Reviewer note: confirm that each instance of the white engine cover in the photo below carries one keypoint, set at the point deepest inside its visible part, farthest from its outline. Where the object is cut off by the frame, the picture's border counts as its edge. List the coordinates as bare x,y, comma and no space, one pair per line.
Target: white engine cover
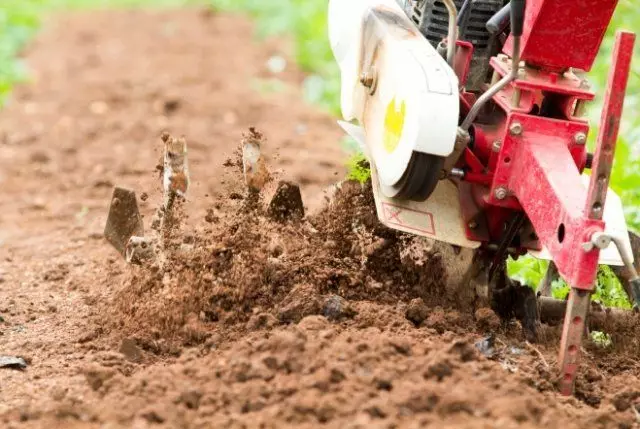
412,103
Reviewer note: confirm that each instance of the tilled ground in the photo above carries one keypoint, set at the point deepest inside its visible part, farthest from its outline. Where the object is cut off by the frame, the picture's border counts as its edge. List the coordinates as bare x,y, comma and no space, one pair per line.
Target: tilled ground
326,321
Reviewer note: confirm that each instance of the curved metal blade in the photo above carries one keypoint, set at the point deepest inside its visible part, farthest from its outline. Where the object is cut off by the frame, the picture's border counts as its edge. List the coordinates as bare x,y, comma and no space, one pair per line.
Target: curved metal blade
124,220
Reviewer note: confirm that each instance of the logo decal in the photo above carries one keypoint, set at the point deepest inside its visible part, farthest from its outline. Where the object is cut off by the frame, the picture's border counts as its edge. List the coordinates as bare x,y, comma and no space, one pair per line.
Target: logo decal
393,124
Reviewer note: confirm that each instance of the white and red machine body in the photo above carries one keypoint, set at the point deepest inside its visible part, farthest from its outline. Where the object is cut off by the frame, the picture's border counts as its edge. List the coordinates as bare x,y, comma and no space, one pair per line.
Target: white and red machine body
512,178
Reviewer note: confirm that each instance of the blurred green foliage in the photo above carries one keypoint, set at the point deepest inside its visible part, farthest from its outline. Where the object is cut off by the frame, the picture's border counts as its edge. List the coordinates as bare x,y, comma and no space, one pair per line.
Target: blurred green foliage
358,168
305,22
19,19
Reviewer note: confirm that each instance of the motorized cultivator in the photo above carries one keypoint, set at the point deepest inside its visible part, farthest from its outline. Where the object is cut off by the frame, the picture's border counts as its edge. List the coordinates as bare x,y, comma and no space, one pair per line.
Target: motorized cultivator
472,115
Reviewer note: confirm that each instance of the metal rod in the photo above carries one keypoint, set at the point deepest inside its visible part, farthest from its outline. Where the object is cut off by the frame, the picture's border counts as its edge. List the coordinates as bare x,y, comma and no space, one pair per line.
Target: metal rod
625,256
544,288
634,279
452,34
488,95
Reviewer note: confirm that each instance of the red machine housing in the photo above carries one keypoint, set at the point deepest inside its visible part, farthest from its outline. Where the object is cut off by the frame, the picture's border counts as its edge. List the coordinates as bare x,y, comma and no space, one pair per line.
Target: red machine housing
528,148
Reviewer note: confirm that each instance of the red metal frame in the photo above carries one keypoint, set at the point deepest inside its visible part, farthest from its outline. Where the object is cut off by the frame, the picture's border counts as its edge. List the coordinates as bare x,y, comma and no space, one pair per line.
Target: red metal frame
530,153
559,34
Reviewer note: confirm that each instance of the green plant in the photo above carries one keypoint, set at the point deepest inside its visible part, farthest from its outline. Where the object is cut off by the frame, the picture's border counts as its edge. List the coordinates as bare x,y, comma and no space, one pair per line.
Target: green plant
601,339
358,168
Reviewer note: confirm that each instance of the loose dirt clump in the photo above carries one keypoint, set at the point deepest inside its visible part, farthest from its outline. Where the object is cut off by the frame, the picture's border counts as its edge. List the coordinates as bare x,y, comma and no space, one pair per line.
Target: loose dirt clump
257,260
324,319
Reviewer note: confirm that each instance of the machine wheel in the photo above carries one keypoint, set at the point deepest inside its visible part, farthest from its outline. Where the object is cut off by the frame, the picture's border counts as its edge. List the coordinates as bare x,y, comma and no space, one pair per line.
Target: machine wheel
421,177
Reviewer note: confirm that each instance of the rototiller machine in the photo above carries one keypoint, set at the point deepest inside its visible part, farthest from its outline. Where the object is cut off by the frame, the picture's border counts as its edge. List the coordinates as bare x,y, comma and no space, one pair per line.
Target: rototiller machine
472,116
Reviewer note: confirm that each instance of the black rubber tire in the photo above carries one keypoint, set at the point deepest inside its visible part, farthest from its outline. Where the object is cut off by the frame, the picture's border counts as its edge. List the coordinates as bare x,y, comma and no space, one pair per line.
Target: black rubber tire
420,179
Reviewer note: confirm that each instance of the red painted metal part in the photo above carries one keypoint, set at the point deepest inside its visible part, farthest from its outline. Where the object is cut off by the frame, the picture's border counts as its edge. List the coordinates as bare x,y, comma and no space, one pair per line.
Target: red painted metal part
578,305
529,152
462,60
559,34
542,175
566,83
610,123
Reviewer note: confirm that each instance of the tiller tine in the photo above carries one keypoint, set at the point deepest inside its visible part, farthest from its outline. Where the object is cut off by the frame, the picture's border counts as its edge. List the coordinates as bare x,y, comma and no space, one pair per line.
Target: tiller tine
254,165
124,219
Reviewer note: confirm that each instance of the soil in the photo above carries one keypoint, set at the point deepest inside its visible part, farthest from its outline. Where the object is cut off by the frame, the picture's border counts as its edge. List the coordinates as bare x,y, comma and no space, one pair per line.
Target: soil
258,317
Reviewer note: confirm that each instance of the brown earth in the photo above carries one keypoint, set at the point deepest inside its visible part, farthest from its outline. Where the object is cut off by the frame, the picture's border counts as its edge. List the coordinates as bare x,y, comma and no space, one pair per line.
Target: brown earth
255,321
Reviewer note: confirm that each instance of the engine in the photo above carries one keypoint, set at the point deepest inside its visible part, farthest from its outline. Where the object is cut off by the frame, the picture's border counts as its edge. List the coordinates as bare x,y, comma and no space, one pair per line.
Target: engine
432,19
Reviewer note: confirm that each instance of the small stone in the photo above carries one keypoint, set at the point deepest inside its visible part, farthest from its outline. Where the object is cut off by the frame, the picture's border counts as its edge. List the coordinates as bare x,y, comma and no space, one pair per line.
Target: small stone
130,350
417,311
13,362
336,308
302,301
486,346
276,64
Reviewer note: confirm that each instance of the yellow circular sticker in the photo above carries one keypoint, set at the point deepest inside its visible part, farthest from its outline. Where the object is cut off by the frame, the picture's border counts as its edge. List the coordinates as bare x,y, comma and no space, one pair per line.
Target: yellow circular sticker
393,124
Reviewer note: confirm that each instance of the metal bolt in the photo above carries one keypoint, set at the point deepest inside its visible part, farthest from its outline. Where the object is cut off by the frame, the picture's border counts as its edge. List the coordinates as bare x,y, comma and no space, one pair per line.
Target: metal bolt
458,173
497,145
580,138
598,240
515,129
501,193
601,240
368,80
472,224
